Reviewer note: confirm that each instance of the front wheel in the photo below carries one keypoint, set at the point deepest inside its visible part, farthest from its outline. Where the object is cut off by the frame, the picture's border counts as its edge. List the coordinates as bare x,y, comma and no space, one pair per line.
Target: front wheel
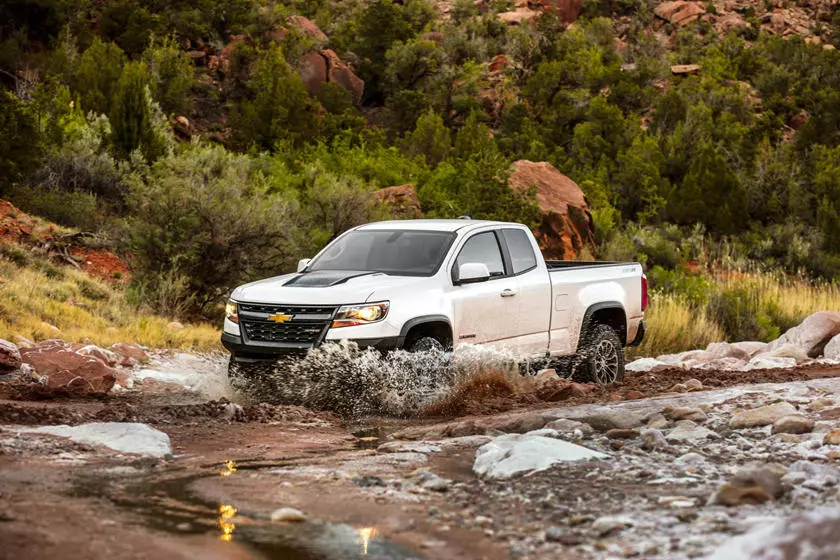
601,358
425,344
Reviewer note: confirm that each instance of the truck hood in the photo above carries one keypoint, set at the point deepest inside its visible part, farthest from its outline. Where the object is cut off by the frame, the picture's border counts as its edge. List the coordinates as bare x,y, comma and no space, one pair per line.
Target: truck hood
330,287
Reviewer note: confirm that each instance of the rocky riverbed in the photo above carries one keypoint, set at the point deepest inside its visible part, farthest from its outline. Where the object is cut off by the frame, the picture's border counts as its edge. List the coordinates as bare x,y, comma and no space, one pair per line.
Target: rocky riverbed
676,461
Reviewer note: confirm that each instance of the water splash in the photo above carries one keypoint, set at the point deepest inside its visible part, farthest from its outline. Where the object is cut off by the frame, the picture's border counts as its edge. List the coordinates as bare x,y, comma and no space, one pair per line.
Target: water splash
353,382
205,375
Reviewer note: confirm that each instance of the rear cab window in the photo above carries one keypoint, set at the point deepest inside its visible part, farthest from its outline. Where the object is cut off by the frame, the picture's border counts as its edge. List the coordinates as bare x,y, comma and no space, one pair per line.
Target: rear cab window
521,250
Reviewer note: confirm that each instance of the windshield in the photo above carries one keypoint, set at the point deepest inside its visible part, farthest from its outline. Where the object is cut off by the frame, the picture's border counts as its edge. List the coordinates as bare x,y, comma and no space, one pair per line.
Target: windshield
401,253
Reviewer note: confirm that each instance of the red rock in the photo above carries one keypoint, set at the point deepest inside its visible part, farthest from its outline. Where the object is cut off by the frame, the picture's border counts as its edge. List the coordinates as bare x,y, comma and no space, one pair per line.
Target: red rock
680,13
567,10
556,390
633,395
308,28
130,351
67,369
318,68
498,63
685,69
517,17
106,356
402,201
566,228
9,356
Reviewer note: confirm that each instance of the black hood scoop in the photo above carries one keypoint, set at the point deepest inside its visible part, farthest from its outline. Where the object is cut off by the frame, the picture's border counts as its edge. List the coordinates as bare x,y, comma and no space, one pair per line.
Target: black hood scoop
325,278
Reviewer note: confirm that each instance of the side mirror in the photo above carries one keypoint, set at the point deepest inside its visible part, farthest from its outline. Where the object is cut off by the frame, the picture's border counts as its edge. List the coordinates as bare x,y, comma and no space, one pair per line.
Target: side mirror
302,264
472,273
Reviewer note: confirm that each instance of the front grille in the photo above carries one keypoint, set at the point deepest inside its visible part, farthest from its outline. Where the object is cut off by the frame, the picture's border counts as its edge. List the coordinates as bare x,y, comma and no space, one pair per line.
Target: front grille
306,326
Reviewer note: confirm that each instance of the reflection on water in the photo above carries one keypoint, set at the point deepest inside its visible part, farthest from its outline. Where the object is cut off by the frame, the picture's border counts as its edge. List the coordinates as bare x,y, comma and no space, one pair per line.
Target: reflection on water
228,469
365,535
225,520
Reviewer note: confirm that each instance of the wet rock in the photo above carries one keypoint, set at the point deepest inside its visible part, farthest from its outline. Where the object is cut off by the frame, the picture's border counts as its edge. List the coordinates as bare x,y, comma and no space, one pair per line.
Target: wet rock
368,481
813,334
565,426
408,446
690,460
793,424
753,484
64,368
288,515
644,364
658,422
9,356
431,481
832,438
604,420
684,413
107,356
688,431
513,454
131,351
762,416
125,437
611,524
518,424
622,433
555,390
653,439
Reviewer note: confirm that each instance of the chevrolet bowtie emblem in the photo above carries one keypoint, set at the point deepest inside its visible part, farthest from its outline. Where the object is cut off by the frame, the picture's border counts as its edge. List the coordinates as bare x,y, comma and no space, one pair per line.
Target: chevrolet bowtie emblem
280,318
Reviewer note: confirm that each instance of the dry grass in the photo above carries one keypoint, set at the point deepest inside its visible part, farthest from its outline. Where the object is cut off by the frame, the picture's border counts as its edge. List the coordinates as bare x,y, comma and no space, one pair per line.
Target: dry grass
674,325
40,301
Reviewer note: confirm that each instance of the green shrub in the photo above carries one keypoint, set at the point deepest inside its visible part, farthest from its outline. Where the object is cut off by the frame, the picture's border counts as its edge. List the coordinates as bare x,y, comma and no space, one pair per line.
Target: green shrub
172,75
20,148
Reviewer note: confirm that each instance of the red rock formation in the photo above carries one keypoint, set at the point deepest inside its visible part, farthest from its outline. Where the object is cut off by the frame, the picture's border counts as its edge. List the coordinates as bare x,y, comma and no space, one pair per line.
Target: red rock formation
308,28
67,369
402,201
680,13
566,228
318,68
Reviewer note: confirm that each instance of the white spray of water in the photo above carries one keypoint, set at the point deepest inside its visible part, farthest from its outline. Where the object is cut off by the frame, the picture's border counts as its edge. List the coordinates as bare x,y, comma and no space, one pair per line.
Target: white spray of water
354,382
202,374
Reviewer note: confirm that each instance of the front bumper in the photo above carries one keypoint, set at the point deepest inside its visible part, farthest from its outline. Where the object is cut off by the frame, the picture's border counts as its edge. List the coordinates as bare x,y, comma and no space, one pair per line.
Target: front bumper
253,352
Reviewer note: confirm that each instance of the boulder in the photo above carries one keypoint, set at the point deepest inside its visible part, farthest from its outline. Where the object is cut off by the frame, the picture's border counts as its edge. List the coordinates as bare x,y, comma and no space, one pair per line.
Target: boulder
832,438
130,351
761,416
688,431
566,228
227,52
813,334
107,356
675,413
751,348
607,419
498,63
67,369
770,362
518,16
320,67
832,349
9,356
753,484
557,389
513,454
308,28
402,201
730,21
685,69
567,427
810,534
125,437
680,13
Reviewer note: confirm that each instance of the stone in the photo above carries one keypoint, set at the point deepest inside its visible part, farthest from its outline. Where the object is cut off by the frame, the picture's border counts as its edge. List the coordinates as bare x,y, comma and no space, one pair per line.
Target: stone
750,348
69,370
793,424
644,364
566,228
408,447
694,385
174,325
679,13
734,495
622,433
610,524
107,356
498,63
684,413
9,356
518,16
761,416
813,334
556,389
518,424
608,419
513,454
685,69
763,361
288,515
690,459
767,476
308,28
653,439
730,21
125,437
658,422
565,426
320,67
688,431
431,481
130,351
832,438
402,201
832,349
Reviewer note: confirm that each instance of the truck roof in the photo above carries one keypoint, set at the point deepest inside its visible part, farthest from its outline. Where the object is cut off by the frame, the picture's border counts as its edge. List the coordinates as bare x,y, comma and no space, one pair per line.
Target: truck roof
432,225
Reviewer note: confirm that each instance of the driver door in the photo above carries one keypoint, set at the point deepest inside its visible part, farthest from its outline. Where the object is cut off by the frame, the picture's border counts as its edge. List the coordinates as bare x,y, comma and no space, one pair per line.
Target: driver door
484,312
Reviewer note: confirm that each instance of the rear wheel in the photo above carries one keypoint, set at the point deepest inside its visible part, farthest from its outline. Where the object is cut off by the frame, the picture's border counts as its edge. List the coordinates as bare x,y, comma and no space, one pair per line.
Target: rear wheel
601,358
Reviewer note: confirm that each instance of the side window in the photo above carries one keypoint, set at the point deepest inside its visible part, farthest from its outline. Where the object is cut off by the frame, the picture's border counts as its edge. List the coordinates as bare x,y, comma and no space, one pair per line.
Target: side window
521,250
482,248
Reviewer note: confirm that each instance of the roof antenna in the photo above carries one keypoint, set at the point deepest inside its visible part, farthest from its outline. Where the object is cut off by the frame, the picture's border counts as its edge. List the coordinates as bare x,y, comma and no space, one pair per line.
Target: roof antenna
464,218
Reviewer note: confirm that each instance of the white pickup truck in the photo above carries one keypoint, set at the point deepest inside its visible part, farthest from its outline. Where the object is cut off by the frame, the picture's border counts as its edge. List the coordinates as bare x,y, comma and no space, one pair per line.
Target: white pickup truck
425,284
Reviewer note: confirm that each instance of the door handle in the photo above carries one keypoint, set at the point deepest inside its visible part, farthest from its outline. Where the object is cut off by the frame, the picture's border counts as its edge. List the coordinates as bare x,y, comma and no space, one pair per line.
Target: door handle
508,292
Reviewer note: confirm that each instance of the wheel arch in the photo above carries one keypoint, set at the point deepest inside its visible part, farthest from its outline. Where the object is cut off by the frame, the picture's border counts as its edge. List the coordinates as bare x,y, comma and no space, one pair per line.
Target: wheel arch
436,326
610,313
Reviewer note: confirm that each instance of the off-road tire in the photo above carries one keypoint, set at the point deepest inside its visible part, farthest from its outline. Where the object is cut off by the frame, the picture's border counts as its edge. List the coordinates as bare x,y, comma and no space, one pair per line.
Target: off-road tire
601,356
425,344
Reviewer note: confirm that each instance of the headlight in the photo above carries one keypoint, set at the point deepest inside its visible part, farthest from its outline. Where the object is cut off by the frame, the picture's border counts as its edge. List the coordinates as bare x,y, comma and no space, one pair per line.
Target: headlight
232,311
352,315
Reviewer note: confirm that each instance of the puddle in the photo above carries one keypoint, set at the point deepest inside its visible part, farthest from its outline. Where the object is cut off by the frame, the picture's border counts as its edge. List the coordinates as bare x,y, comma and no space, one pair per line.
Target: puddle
171,505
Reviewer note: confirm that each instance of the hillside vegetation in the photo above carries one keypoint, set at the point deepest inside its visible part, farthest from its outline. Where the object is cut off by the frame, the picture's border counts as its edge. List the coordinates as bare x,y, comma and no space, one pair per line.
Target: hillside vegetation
202,139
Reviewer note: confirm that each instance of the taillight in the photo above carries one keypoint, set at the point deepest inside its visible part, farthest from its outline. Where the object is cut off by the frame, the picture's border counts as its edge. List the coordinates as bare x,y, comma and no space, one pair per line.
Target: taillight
645,299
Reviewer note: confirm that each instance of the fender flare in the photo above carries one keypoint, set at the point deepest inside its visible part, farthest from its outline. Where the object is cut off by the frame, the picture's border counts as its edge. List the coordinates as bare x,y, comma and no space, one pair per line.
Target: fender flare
417,321
591,310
